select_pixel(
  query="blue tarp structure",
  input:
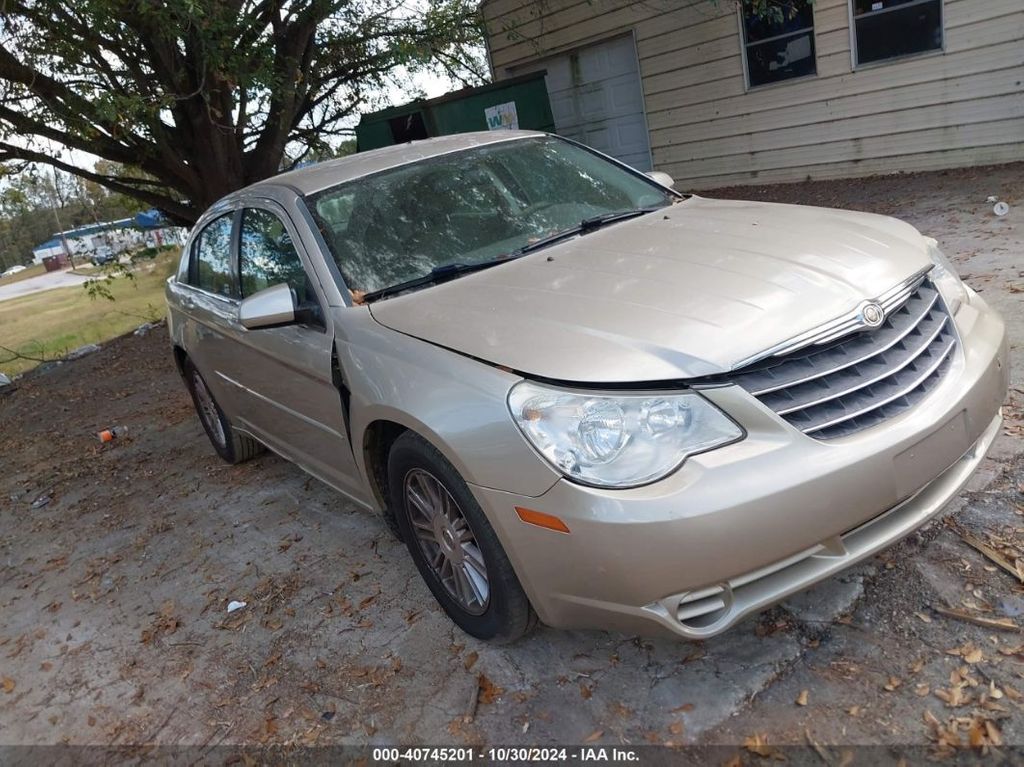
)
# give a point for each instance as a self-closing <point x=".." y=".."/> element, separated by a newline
<point x="151" y="219"/>
<point x="146" y="221"/>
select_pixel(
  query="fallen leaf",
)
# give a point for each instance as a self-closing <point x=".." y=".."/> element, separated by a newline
<point x="893" y="684"/>
<point x="758" y="744"/>
<point x="470" y="660"/>
<point x="976" y="734"/>
<point x="853" y="710"/>
<point x="9" y="685"/>
<point x="801" y="699"/>
<point x="995" y="737"/>
<point x="593" y="736"/>
<point x="489" y="691"/>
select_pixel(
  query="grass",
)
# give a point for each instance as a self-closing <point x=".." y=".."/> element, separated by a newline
<point x="48" y="324"/>
<point x="32" y="271"/>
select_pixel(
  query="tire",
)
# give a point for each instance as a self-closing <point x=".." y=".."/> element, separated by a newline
<point x="505" y="614"/>
<point x="230" y="445"/>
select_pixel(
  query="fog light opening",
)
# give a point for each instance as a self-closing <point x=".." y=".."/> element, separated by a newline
<point x="702" y="609"/>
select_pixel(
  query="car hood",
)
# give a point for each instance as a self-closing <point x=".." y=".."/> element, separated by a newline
<point x="683" y="292"/>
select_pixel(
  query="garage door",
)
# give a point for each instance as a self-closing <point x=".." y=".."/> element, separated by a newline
<point x="596" y="98"/>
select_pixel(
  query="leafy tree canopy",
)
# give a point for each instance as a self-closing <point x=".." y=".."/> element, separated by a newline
<point x="188" y="100"/>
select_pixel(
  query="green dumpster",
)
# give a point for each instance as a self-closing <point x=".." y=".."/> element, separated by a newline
<point x="519" y="102"/>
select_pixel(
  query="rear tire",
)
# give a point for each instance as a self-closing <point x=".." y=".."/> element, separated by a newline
<point x="230" y="445"/>
<point x="455" y="549"/>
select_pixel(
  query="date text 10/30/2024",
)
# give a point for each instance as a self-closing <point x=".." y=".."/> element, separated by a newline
<point x="506" y="754"/>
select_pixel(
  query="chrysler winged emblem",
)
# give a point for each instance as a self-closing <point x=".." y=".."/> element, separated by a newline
<point x="871" y="314"/>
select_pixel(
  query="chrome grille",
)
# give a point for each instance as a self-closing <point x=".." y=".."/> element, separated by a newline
<point x="860" y="380"/>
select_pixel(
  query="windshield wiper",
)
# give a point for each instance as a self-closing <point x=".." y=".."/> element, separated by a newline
<point x="583" y="227"/>
<point x="446" y="272"/>
<point x="438" y="274"/>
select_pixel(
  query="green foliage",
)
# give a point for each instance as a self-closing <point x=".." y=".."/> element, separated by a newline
<point x="775" y="11"/>
<point x="122" y="268"/>
<point x="187" y="100"/>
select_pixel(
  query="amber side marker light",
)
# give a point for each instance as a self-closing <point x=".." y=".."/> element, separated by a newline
<point x="540" y="519"/>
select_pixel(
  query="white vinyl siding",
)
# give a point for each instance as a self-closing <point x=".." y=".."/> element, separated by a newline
<point x="596" y="99"/>
<point x="959" y="107"/>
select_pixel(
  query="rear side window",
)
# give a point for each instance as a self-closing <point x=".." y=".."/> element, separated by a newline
<point x="267" y="256"/>
<point x="212" y="258"/>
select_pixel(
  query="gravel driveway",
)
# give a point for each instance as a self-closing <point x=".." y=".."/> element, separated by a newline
<point x="118" y="561"/>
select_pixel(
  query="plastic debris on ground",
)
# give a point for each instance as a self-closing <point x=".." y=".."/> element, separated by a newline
<point x="107" y="435"/>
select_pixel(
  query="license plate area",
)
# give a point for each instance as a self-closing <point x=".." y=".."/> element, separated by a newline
<point x="918" y="465"/>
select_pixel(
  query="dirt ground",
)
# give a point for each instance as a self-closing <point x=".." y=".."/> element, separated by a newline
<point x="118" y="561"/>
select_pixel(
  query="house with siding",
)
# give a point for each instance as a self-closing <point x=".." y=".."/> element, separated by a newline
<point x="714" y="94"/>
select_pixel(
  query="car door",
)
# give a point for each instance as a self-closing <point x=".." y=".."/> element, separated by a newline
<point x="286" y="375"/>
<point x="209" y="300"/>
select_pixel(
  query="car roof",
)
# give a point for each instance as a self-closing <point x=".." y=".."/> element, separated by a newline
<point x="315" y="178"/>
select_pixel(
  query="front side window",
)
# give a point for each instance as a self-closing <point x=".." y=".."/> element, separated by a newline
<point x="778" y="40"/>
<point x="211" y="266"/>
<point x="472" y="207"/>
<point x="888" y="29"/>
<point x="266" y="255"/>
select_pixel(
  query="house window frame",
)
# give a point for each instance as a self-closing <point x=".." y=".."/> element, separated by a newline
<point x="855" y="63"/>
<point x="747" y="86"/>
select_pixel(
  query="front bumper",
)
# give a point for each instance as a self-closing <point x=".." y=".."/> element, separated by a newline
<point x="742" y="527"/>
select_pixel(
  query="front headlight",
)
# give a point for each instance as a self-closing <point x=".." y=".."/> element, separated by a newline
<point x="617" y="440"/>
<point x="945" y="278"/>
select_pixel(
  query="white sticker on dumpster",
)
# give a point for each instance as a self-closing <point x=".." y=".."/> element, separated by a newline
<point x="502" y="117"/>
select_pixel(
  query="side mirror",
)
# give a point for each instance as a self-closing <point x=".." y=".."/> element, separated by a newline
<point x="662" y="178"/>
<point x="271" y="306"/>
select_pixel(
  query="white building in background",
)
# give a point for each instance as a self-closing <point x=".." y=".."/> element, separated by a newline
<point x="714" y="94"/>
<point x="145" y="230"/>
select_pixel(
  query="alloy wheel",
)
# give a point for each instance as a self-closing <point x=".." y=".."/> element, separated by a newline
<point x="208" y="410"/>
<point x="447" y="541"/>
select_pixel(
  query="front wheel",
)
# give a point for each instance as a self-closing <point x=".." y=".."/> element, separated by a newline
<point x="453" y="545"/>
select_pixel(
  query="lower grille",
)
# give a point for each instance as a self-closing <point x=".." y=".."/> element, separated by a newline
<point x="862" y="379"/>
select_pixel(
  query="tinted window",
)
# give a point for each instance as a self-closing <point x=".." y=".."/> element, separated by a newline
<point x="778" y="36"/>
<point x="212" y="258"/>
<point x="267" y="256"/>
<point x="887" y="29"/>
<point x="470" y="207"/>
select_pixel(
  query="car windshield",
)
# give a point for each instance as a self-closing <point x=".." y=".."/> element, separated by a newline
<point x="471" y="207"/>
